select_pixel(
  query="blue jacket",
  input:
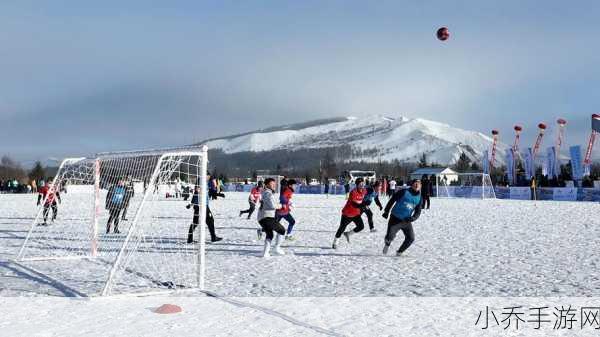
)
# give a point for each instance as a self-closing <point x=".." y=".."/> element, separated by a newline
<point x="371" y="196"/>
<point x="406" y="205"/>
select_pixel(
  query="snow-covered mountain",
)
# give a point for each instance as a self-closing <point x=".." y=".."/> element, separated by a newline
<point x="399" y="138"/>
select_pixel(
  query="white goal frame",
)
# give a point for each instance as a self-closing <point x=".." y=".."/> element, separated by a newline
<point x="465" y="185"/>
<point x="199" y="247"/>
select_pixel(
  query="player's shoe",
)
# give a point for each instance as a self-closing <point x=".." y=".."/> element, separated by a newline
<point x="279" y="250"/>
<point x="385" y="249"/>
<point x="259" y="233"/>
<point x="216" y="239"/>
<point x="266" y="250"/>
<point x="399" y="253"/>
<point x="290" y="238"/>
<point x="373" y="230"/>
<point x="347" y="236"/>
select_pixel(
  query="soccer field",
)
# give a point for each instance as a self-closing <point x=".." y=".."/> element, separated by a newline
<point x="463" y="247"/>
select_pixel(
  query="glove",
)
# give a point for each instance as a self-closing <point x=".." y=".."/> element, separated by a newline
<point x="188" y="206"/>
<point x="385" y="215"/>
<point x="381" y="208"/>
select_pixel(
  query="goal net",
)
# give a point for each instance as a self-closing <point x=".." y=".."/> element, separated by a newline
<point x="276" y="177"/>
<point x="465" y="185"/>
<point x="116" y="229"/>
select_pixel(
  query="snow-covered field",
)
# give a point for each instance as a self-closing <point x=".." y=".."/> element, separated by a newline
<point x="475" y="248"/>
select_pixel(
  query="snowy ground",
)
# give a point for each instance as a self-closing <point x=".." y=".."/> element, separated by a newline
<point x="463" y="247"/>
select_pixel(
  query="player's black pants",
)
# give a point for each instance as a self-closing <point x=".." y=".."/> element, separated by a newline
<point x="210" y="223"/>
<point x="394" y="226"/>
<point x="114" y="217"/>
<point x="369" y="214"/>
<point x="345" y="221"/>
<point x="270" y="225"/>
<point x="249" y="210"/>
<point x="290" y="220"/>
<point x="47" y="210"/>
<point x="125" y="207"/>
<point x="425" y="202"/>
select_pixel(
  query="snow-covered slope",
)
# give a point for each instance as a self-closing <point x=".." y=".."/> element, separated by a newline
<point x="394" y="138"/>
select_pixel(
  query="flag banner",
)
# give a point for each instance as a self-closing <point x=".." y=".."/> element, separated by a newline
<point x="576" y="166"/>
<point x="485" y="162"/>
<point x="529" y="170"/>
<point x="510" y="167"/>
<point x="596" y="123"/>
<point x="551" y="162"/>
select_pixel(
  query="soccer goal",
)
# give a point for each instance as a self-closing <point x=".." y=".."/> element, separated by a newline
<point x="465" y="185"/>
<point x="116" y="231"/>
<point x="276" y="177"/>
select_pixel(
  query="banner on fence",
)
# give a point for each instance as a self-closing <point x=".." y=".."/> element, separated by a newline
<point x="564" y="194"/>
<point x="520" y="193"/>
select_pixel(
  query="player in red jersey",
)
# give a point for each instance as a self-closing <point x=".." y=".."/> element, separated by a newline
<point x="253" y="199"/>
<point x="351" y="212"/>
<point x="285" y="199"/>
<point x="49" y="195"/>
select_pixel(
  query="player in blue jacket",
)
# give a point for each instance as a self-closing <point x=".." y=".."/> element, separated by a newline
<point x="372" y="195"/>
<point x="405" y="206"/>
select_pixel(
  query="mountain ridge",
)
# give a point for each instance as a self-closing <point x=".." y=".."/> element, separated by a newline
<point x="381" y="137"/>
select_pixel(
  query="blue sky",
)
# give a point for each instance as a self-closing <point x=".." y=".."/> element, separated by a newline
<point x="80" y="77"/>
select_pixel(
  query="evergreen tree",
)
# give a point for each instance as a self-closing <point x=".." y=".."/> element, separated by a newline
<point x="37" y="172"/>
<point x="463" y="163"/>
<point x="423" y="160"/>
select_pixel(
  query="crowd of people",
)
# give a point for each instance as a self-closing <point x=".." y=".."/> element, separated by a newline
<point x="16" y="186"/>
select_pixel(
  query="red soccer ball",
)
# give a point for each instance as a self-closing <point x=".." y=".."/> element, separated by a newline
<point x="443" y="34"/>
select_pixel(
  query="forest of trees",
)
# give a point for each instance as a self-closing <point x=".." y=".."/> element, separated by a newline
<point x="11" y="169"/>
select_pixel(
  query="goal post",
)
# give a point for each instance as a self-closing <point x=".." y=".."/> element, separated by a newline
<point x="465" y="185"/>
<point x="119" y="216"/>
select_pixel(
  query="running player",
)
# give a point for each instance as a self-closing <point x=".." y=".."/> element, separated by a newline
<point x="285" y="199"/>
<point x="253" y="199"/>
<point x="267" y="220"/>
<point x="351" y="213"/>
<point x="405" y="206"/>
<point x="371" y="195"/>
